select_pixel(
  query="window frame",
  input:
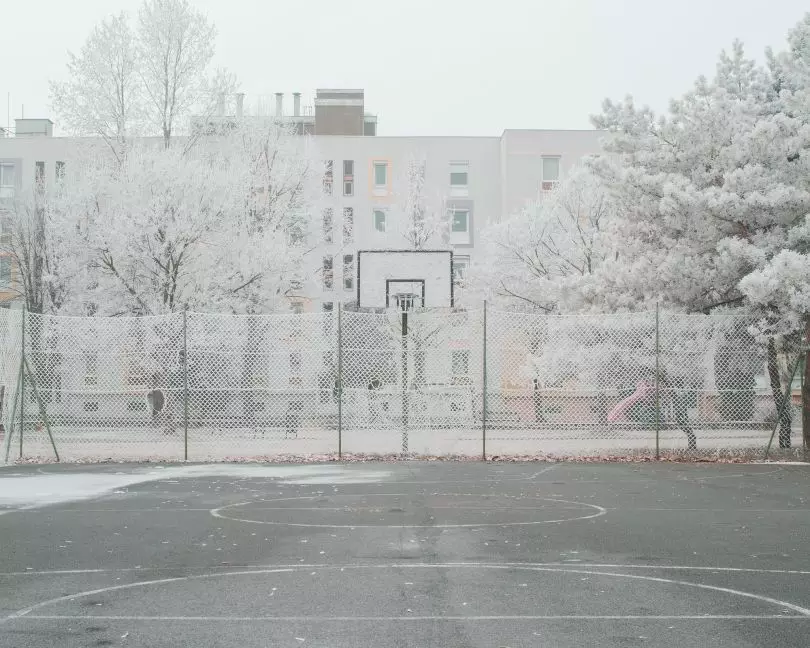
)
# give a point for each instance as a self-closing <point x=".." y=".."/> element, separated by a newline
<point x="466" y="213"/>
<point x="458" y="167"/>
<point x="376" y="165"/>
<point x="328" y="176"/>
<point x="348" y="177"/>
<point x="348" y="271"/>
<point x="459" y="261"/>
<point x="8" y="187"/>
<point x="328" y="224"/>
<point x="6" y="270"/>
<point x="374" y="212"/>
<point x="328" y="272"/>
<point x="347" y="225"/>
<point x="545" y="183"/>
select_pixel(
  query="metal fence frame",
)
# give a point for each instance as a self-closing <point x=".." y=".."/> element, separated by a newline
<point x="403" y="356"/>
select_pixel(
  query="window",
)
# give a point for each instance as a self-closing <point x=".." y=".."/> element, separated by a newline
<point x="40" y="171"/>
<point x="5" y="270"/>
<point x="60" y="171"/>
<point x="91" y="368"/>
<point x="379" y="220"/>
<point x="136" y="373"/>
<point x="296" y="330"/>
<point x="460" y="359"/>
<point x="296" y="361"/>
<point x="297" y="232"/>
<point x="5" y="231"/>
<point x="461" y="220"/>
<point x="460" y="265"/>
<point x="327" y="272"/>
<point x="348" y="225"/>
<point x="551" y="173"/>
<point x="328" y="177"/>
<point x="459" y="178"/>
<point x="348" y="177"/>
<point x="327" y="225"/>
<point x="381" y="174"/>
<point x="348" y="272"/>
<point x="6" y="181"/>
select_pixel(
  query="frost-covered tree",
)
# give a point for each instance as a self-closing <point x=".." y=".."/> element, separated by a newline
<point x="175" y="46"/>
<point x="40" y="238"/>
<point x="102" y="93"/>
<point x="146" y="79"/>
<point x="423" y="219"/>
<point x="527" y="260"/>
<point x="214" y="229"/>
<point x="707" y="194"/>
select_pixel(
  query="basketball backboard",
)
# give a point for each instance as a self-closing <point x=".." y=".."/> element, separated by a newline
<point x="404" y="279"/>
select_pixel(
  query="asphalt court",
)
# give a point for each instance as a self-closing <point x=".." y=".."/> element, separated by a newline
<point x="405" y="554"/>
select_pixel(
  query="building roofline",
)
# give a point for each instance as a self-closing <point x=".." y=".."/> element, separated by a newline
<point x="555" y="130"/>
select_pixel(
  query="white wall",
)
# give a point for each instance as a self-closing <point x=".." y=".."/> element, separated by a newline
<point x="504" y="174"/>
<point x="522" y="154"/>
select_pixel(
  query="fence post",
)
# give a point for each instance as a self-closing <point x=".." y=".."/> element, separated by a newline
<point x="484" y="391"/>
<point x="657" y="381"/>
<point x="340" y="380"/>
<point x="10" y="431"/>
<point x="22" y="382"/>
<point x="185" y="383"/>
<point x="805" y="388"/>
<point x="404" y="361"/>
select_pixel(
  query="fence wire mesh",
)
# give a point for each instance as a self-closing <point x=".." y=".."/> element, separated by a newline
<point x="201" y="386"/>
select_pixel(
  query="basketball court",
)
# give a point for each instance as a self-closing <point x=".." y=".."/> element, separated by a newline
<point x="405" y="554"/>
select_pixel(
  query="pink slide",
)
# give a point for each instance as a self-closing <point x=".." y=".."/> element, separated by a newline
<point x="643" y="389"/>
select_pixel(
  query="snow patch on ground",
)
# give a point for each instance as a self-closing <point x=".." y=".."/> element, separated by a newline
<point x="28" y="491"/>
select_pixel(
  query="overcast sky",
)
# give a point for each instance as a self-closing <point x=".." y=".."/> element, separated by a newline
<point x="431" y="67"/>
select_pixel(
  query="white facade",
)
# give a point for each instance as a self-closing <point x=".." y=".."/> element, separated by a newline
<point x="502" y="174"/>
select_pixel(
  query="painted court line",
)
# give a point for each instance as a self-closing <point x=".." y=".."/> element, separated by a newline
<point x="296" y="566"/>
<point x="218" y="513"/>
<point x="317" y="619"/>
<point x="783" y="605"/>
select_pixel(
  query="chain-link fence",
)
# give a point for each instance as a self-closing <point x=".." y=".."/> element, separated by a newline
<point x="427" y="382"/>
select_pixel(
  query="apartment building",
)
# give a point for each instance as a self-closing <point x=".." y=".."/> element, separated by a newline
<point x="476" y="181"/>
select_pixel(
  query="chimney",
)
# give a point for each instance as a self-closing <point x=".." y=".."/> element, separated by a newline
<point x="240" y="105"/>
<point x="221" y="104"/>
<point x="279" y="104"/>
<point x="297" y="104"/>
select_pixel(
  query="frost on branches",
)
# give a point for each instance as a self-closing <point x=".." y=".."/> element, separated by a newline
<point x="713" y="200"/>
<point x="423" y="219"/>
<point x="707" y="194"/>
<point x="144" y="80"/>
<point x="39" y="235"/>
<point x="530" y="259"/>
<point x="219" y="228"/>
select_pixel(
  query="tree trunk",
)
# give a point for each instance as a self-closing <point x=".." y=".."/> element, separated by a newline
<point x="782" y="407"/>
<point x="806" y="388"/>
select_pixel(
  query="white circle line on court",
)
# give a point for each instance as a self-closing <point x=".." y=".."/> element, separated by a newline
<point x="217" y="512"/>
<point x="333" y="619"/>
<point x="568" y="570"/>
<point x="296" y="566"/>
